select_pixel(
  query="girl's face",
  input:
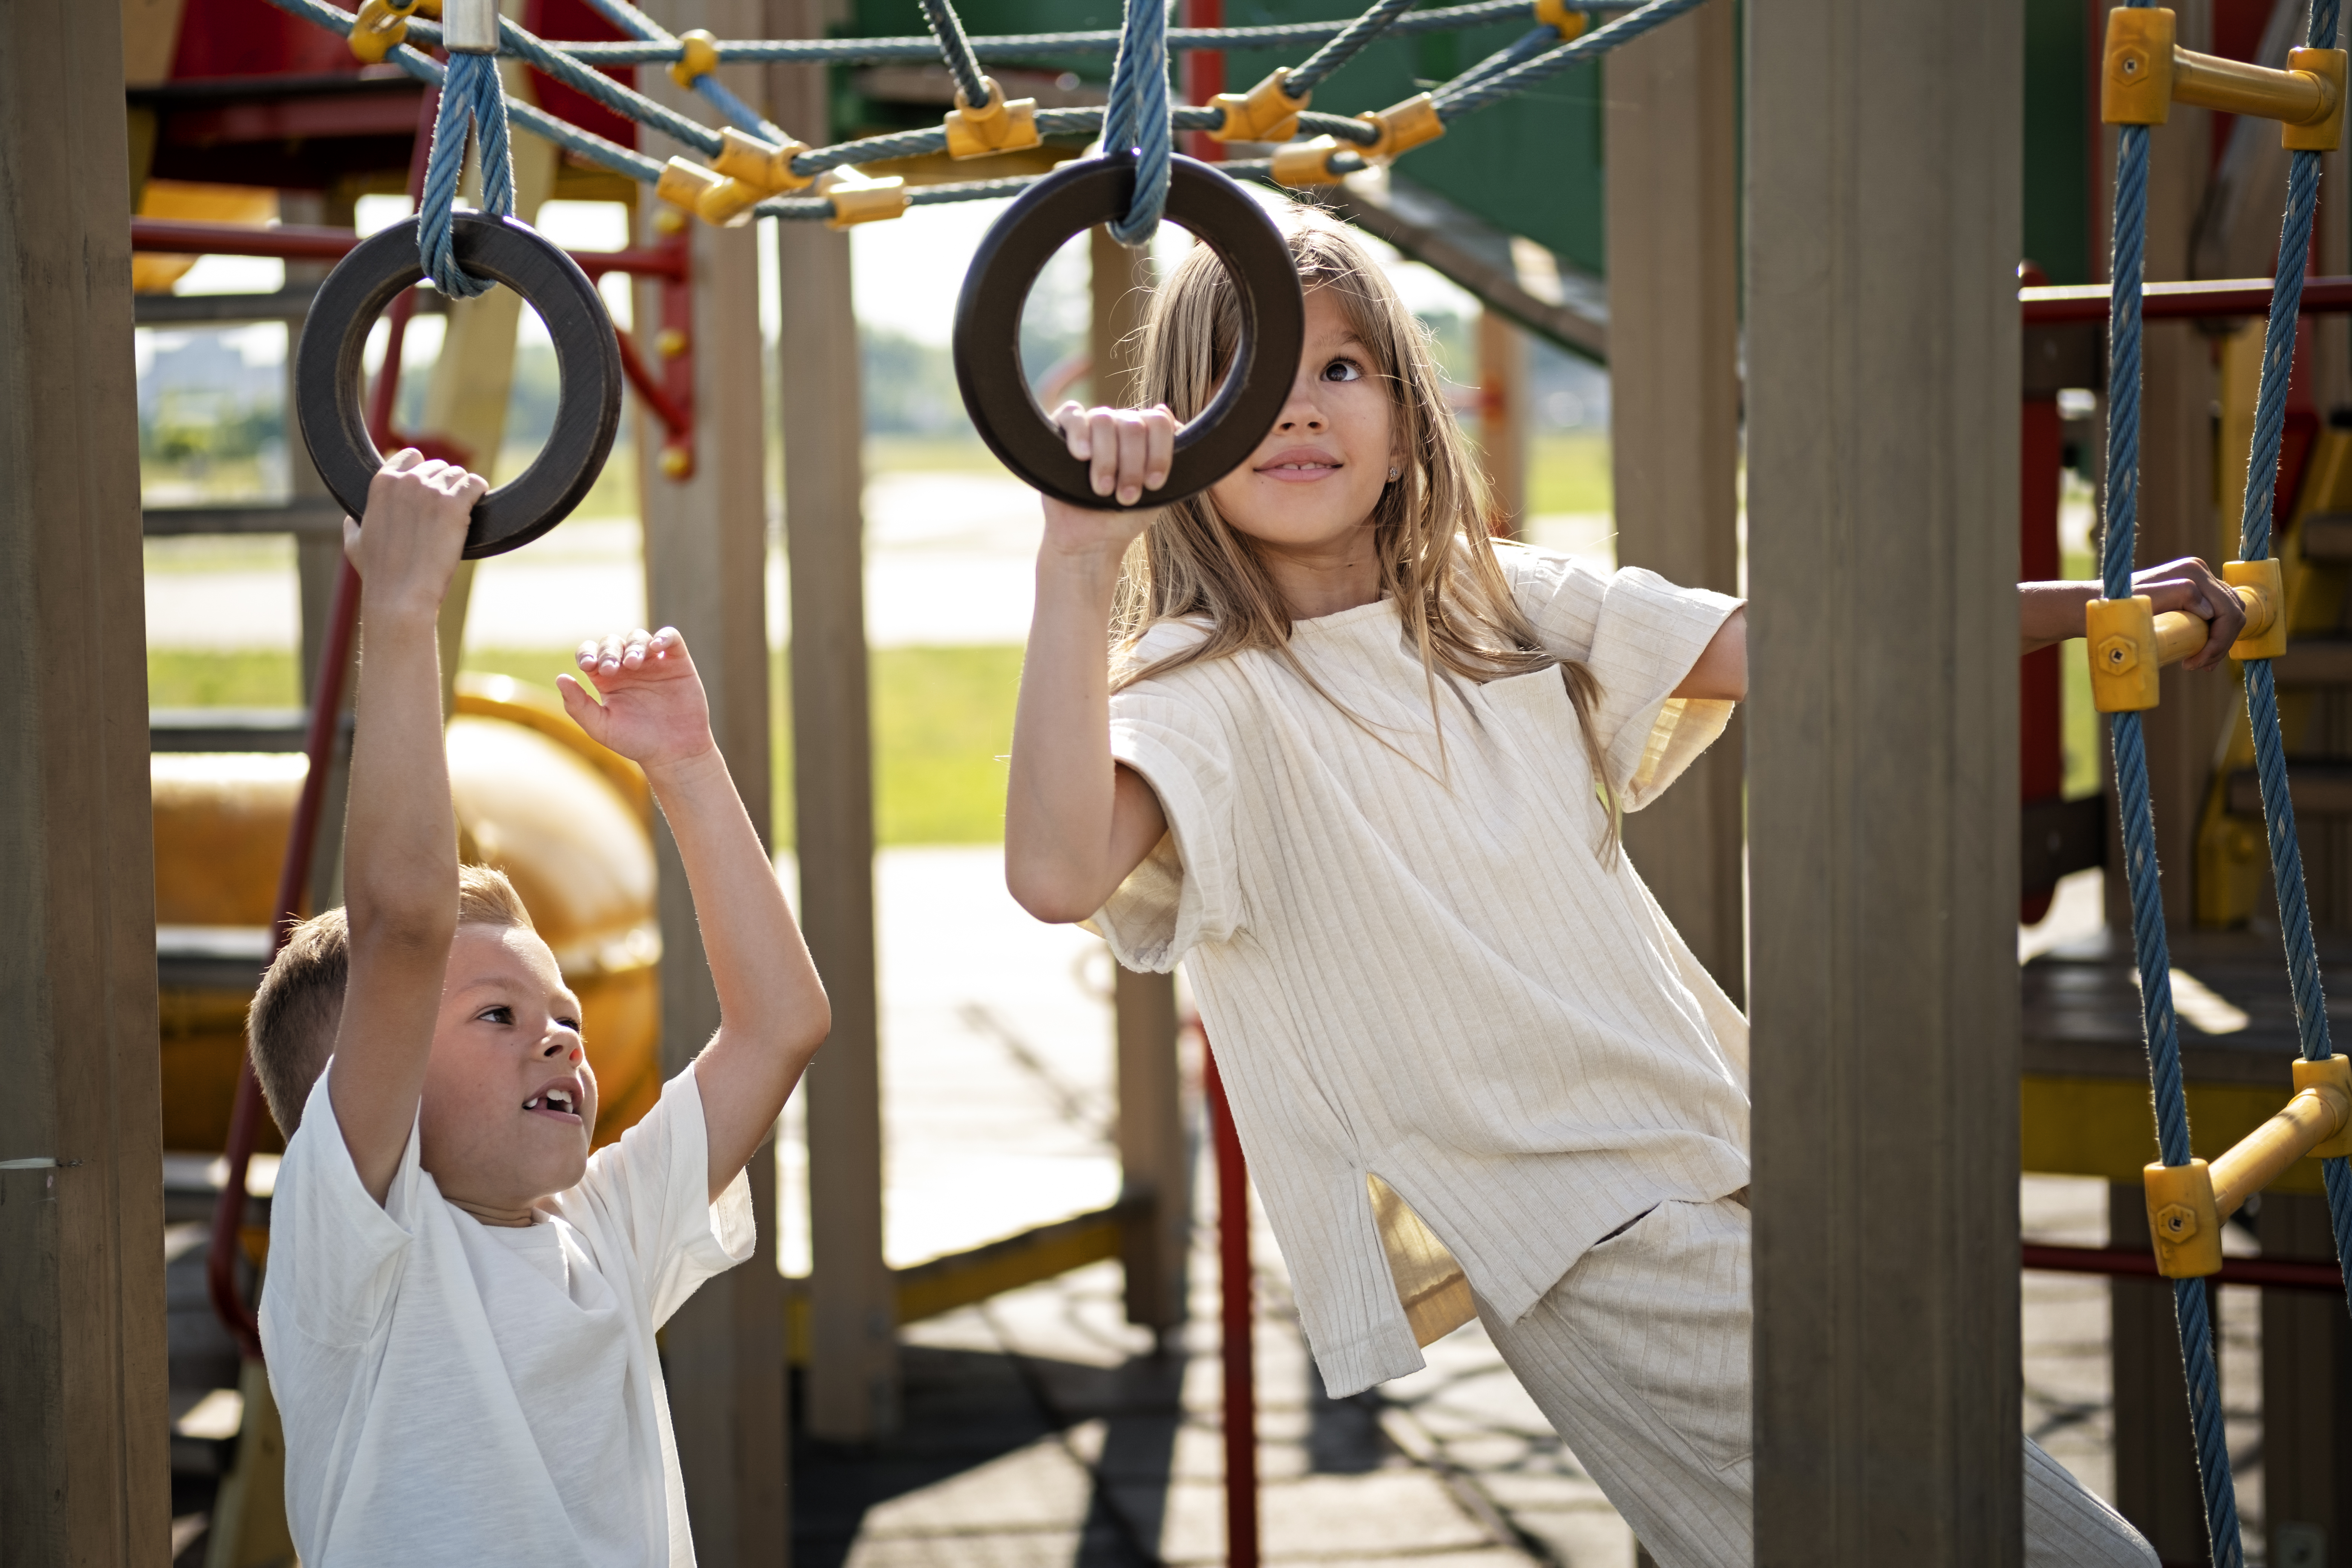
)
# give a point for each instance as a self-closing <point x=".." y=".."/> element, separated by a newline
<point x="1309" y="488"/>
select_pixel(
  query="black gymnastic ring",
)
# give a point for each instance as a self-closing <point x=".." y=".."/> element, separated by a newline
<point x="1072" y="199"/>
<point x="327" y="372"/>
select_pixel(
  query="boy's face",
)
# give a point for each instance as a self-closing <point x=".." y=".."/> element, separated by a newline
<point x="509" y="1101"/>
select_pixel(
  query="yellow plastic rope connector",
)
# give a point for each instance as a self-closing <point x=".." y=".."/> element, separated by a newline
<point x="1299" y="164"/>
<point x="996" y="126"/>
<point x="1569" y="24"/>
<point x="2144" y="72"/>
<point x="856" y="199"/>
<point x="762" y="164"/>
<point x="713" y="197"/>
<point x="698" y="60"/>
<point x="1267" y="112"/>
<point x="380" y="28"/>
<point x="2184" y="1220"/>
<point x="2261" y="589"/>
<point x="2186" y="1204"/>
<point x="1402" y="127"/>
<point x="2123" y="663"/>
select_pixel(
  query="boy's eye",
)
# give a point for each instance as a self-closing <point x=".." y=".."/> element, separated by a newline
<point x="499" y="1015"/>
<point x="1343" y="369"/>
<point x="570" y="1023"/>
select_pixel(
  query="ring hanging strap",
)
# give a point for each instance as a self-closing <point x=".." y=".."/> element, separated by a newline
<point x="471" y="93"/>
<point x="1137" y="119"/>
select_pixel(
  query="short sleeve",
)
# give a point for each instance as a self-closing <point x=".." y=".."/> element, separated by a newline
<point x="1177" y="734"/>
<point x="1639" y="635"/>
<point x="651" y="1193"/>
<point x="336" y="1255"/>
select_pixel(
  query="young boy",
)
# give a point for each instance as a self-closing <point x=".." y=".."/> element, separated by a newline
<point x="461" y="1305"/>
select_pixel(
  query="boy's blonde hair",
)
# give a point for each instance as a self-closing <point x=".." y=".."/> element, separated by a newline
<point x="291" y="1025"/>
<point x="1432" y="527"/>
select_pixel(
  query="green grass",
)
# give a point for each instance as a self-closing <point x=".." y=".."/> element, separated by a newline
<point x="1568" y="471"/>
<point x="942" y="718"/>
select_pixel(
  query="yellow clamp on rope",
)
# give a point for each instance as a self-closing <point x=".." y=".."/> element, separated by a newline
<point x="1267" y="112"/>
<point x="699" y="59"/>
<point x="380" y="28"/>
<point x="2186" y="1204"/>
<point x="2260" y="587"/>
<point x="996" y="126"/>
<point x="857" y="199"/>
<point x="713" y="197"/>
<point x="2129" y="643"/>
<point x="1402" y="127"/>
<point x="763" y="164"/>
<point x="1569" y="24"/>
<point x="2144" y="72"/>
<point x="1299" y="164"/>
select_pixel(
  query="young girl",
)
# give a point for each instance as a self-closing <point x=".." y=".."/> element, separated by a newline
<point x="1361" y="769"/>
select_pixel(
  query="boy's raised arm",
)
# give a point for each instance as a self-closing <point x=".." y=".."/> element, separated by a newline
<point x="771" y="1006"/>
<point x="399" y="855"/>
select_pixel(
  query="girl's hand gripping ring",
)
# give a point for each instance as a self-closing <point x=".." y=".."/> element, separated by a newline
<point x="1075" y="198"/>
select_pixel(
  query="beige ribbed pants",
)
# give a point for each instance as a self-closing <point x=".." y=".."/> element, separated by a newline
<point x="1639" y="1358"/>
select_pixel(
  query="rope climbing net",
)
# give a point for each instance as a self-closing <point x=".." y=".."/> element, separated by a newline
<point x="755" y="168"/>
<point x="2145" y="72"/>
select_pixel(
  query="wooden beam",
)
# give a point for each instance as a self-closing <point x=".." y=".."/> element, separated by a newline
<point x="852" y="1380"/>
<point x="1673" y="397"/>
<point x="1883" y="209"/>
<point x="1503" y="416"/>
<point x="84" y="1462"/>
<point x="2307" y="1391"/>
<point x="1155" y="1162"/>
<point x="706" y="556"/>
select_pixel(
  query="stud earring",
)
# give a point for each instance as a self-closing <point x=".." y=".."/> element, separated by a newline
<point x="1393" y="475"/>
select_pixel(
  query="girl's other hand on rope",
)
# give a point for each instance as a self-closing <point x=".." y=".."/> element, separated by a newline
<point x="2189" y="584"/>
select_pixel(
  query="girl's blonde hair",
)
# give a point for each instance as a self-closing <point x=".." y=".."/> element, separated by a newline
<point x="1432" y="527"/>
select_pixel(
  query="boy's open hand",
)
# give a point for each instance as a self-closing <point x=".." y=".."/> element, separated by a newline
<point x="417" y="510"/>
<point x="654" y="711"/>
<point x="1126" y="451"/>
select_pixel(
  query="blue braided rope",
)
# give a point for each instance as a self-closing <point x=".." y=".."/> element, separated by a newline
<point x="2261" y="691"/>
<point x="1310" y="73"/>
<point x="1459" y="98"/>
<point x="2138" y="812"/>
<point x="956" y="50"/>
<point x="470" y="93"/>
<point x="637" y="25"/>
<point x="1137" y="118"/>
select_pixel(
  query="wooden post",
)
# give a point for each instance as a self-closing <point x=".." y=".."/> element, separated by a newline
<point x="2306" y="1395"/>
<point x="1155" y="1160"/>
<point x="706" y="546"/>
<point x="2156" y="1448"/>
<point x="1882" y="375"/>
<point x="853" y="1374"/>
<point x="84" y="1470"/>
<point x="1503" y="417"/>
<point x="1674" y="396"/>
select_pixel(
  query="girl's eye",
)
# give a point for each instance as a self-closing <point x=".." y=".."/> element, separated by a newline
<point x="570" y="1023"/>
<point x="500" y="1015"/>
<point x="1343" y="369"/>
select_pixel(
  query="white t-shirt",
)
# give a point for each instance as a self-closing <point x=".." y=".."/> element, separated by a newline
<point x="454" y="1392"/>
<point x="1413" y="964"/>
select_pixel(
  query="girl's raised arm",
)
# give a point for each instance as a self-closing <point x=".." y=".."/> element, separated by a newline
<point x="1075" y="822"/>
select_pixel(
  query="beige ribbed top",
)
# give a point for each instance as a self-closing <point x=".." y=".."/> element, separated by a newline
<point x="1423" y="970"/>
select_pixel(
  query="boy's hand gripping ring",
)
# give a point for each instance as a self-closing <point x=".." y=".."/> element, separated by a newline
<point x="1075" y="198"/>
<point x="333" y="409"/>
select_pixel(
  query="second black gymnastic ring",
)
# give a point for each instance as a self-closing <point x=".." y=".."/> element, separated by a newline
<point x="1072" y="199"/>
<point x="331" y="405"/>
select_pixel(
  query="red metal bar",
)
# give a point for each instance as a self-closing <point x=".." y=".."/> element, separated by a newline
<point x="2175" y="301"/>
<point x="1239" y="1320"/>
<point x="1204" y="75"/>
<point x="293" y="877"/>
<point x="299" y="242"/>
<point x="633" y="365"/>
<point x="2273" y="1272"/>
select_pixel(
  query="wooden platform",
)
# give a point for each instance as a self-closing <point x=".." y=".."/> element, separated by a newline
<point x="2085" y="1100"/>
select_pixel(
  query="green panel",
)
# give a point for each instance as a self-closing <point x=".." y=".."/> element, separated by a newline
<point x="2058" y="140"/>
